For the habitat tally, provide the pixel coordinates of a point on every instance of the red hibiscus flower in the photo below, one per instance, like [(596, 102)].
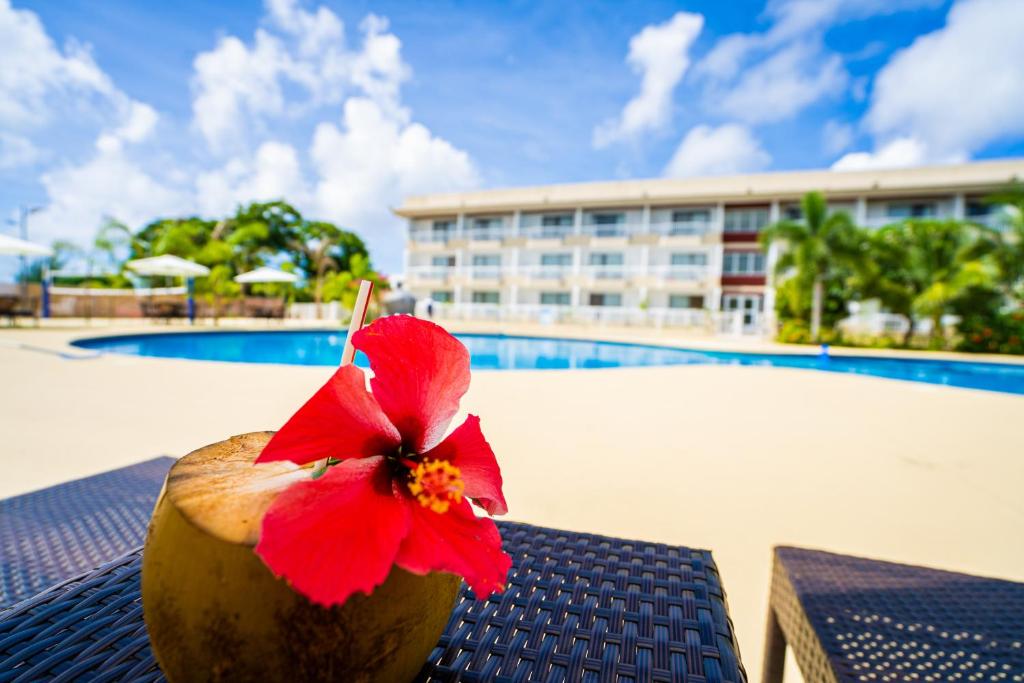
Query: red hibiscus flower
[(395, 493)]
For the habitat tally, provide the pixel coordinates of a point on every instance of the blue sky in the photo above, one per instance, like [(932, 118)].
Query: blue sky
[(142, 109)]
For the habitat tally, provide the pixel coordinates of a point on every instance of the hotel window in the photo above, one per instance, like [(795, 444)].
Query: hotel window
[(685, 301), (745, 220), (614, 300), (486, 297), (443, 226), (556, 225), (442, 296), (608, 224), (606, 259), (443, 261), (689, 221), (743, 263), (979, 209), (487, 260), (553, 219), (793, 212), (695, 258), (556, 260), (486, 228), (554, 298), (911, 210), (691, 216)]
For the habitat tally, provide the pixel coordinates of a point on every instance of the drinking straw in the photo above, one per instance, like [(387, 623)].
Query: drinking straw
[(349, 352)]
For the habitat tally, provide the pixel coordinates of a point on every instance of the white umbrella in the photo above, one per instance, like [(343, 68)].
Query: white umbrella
[(265, 274), (13, 245), (168, 266), (172, 266)]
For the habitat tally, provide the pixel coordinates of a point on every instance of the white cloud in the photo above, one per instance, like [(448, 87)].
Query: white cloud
[(836, 136), (660, 54), (17, 151), (109, 184), (784, 84), (959, 88), (775, 74), (274, 173), (36, 74), (375, 158), (298, 62), (897, 153), (294, 72), (729, 148)]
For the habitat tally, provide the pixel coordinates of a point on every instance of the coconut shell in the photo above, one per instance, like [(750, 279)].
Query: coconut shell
[(214, 611)]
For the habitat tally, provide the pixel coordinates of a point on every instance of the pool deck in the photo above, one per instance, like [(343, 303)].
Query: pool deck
[(736, 459)]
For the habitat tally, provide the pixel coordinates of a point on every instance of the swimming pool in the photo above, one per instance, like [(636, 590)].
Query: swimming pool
[(498, 352)]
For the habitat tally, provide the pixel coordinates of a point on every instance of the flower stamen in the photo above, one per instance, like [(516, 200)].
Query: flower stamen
[(436, 483)]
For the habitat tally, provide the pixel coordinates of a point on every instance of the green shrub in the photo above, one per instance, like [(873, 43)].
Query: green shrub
[(999, 333)]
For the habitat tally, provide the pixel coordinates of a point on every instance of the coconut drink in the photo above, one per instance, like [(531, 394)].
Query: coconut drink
[(333, 549)]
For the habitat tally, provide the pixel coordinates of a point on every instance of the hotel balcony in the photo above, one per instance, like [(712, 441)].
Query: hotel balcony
[(672, 273), (431, 273), (608, 272), (489, 234), (682, 228), (431, 236), (546, 232), (544, 272), (484, 272)]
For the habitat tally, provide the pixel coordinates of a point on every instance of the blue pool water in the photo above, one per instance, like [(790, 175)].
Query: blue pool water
[(496, 352)]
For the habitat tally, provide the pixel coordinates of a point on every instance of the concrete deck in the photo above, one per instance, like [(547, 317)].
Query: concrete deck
[(735, 459)]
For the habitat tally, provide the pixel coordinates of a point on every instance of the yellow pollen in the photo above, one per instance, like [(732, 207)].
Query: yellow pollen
[(436, 483)]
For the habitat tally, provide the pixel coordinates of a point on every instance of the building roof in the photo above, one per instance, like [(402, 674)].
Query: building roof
[(976, 176)]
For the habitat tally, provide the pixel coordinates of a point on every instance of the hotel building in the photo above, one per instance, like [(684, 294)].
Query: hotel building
[(665, 252)]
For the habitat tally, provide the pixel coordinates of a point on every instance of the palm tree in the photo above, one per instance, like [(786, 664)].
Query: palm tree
[(817, 245), (1004, 245)]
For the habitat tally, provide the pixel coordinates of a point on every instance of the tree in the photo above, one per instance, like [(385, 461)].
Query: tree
[(1004, 245), (923, 268), (814, 249), (344, 286), (324, 247)]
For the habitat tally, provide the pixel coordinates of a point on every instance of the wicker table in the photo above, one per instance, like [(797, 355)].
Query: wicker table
[(578, 607), (852, 619)]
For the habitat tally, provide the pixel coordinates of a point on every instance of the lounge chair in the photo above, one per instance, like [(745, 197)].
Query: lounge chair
[(14, 307), (853, 619)]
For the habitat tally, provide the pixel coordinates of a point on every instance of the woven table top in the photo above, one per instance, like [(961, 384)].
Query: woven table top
[(577, 607), (50, 535), (881, 621)]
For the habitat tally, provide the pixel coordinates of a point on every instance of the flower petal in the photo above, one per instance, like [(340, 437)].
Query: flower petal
[(455, 541), (338, 534), (341, 420), (419, 374), (467, 449)]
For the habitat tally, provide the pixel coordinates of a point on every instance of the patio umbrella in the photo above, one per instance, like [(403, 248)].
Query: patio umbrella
[(172, 266), (17, 247), (265, 274)]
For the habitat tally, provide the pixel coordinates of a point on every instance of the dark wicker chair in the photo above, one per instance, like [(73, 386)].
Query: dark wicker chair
[(14, 307), (853, 619), (50, 535)]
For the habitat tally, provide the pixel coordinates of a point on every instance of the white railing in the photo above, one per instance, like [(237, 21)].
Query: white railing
[(97, 291), (724, 322), (431, 236), (431, 272), (544, 272), (487, 234), (484, 272), (607, 272), (612, 230), (546, 232), (681, 228), (680, 273)]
